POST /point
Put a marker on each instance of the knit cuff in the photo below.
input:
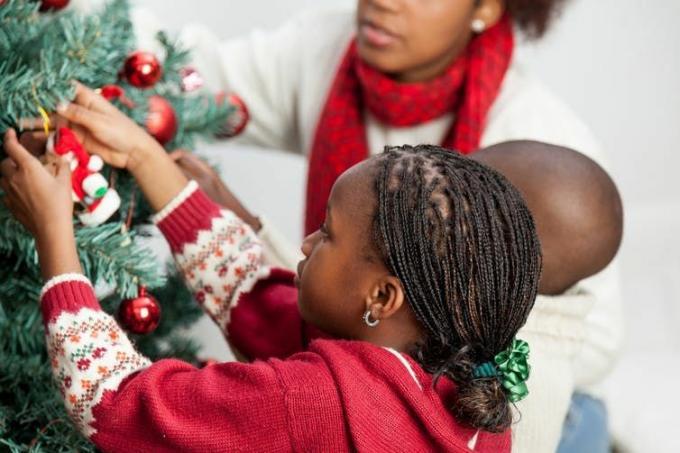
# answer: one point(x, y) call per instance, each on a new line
point(66, 292)
point(190, 212)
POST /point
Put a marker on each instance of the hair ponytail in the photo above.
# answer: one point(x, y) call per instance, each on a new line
point(461, 240)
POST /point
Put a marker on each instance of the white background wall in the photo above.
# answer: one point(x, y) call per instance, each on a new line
point(617, 64)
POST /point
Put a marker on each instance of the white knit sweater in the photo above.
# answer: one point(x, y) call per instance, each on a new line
point(284, 76)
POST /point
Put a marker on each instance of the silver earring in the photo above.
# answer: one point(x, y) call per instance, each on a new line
point(478, 25)
point(369, 322)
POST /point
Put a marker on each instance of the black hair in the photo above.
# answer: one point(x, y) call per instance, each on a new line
point(462, 242)
point(534, 17)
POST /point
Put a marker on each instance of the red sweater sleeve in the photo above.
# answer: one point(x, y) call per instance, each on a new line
point(221, 259)
point(120, 400)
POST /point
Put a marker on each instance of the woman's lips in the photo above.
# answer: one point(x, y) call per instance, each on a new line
point(375, 35)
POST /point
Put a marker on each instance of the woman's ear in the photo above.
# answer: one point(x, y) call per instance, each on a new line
point(386, 297)
point(487, 14)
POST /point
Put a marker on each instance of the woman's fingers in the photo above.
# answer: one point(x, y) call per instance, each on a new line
point(177, 154)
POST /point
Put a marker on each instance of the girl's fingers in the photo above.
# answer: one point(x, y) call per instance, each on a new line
point(91, 100)
point(80, 115)
point(16, 151)
point(7, 168)
point(63, 171)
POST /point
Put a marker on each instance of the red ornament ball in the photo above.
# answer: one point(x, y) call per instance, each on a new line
point(141, 314)
point(142, 69)
point(239, 118)
point(161, 120)
point(51, 5)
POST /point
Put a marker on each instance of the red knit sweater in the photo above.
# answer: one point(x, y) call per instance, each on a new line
point(327, 396)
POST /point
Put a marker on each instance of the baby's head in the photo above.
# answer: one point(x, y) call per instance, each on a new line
point(442, 252)
point(574, 202)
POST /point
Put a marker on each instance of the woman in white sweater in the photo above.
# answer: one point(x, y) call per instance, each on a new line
point(337, 85)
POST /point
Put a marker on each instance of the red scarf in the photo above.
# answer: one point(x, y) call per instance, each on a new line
point(468, 88)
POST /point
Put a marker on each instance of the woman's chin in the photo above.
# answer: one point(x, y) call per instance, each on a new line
point(384, 60)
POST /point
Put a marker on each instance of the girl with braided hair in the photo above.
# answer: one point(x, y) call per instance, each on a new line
point(338, 84)
point(397, 333)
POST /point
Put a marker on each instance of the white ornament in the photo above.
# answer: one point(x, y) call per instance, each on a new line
point(95, 185)
point(96, 163)
point(105, 209)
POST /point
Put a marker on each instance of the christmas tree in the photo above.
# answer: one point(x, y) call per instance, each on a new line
point(42, 50)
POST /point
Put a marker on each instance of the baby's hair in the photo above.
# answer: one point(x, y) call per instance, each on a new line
point(461, 240)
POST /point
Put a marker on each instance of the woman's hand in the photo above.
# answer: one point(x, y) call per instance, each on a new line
point(209, 181)
point(40, 197)
point(106, 131)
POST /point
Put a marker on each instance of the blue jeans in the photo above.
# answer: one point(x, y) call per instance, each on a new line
point(585, 429)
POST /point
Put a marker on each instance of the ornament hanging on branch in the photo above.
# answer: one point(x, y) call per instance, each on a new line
point(238, 120)
point(142, 69)
point(191, 79)
point(115, 92)
point(51, 5)
point(141, 314)
point(161, 120)
point(89, 187)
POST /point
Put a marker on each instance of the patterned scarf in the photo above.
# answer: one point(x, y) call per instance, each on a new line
point(468, 89)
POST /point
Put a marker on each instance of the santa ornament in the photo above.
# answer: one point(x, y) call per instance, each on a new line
point(89, 187)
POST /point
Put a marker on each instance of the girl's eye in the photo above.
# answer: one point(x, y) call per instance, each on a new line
point(324, 230)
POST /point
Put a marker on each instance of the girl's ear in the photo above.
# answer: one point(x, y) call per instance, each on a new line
point(386, 297)
point(487, 14)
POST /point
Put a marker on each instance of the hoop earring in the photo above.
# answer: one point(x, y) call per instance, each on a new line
point(478, 25)
point(368, 321)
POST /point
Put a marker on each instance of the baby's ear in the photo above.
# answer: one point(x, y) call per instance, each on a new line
point(386, 298)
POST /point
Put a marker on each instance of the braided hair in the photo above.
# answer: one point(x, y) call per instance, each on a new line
point(463, 243)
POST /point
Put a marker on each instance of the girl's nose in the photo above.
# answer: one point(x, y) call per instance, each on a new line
point(309, 242)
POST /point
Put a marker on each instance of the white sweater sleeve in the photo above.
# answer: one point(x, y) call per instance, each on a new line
point(262, 67)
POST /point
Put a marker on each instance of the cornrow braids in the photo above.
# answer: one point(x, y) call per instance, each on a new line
point(463, 243)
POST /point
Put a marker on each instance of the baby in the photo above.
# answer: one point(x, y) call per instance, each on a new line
point(575, 204)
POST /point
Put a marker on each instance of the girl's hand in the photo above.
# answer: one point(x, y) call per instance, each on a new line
point(39, 196)
point(106, 131)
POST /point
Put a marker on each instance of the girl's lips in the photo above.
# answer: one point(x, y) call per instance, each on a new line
point(296, 280)
point(376, 36)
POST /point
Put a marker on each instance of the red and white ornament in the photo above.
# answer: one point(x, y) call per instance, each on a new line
point(161, 120)
point(142, 69)
point(238, 120)
point(52, 5)
point(141, 314)
point(191, 79)
point(88, 185)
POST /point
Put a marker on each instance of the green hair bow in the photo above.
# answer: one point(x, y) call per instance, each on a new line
point(511, 367)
